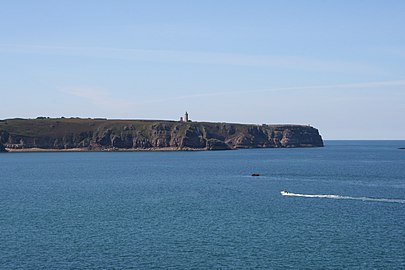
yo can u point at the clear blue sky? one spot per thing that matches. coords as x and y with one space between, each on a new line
337 65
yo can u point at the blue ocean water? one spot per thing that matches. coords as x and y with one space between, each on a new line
203 210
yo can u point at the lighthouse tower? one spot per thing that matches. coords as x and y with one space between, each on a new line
186 117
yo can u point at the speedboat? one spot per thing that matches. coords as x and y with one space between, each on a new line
284 192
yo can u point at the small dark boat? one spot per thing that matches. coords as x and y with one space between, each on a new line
255 174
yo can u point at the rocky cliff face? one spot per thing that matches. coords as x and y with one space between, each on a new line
96 135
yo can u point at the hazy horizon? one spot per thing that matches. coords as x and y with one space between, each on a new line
337 66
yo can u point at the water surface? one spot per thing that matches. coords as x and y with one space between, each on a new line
203 210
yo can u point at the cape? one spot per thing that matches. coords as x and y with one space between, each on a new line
78 134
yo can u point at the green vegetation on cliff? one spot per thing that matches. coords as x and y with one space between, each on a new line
103 134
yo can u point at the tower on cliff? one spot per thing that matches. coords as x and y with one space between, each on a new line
186 117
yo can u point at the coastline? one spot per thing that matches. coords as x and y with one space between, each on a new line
151 149
85 135
157 149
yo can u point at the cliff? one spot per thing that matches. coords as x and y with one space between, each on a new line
102 134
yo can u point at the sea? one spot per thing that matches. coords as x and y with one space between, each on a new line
345 208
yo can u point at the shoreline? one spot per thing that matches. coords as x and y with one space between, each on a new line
152 149
158 149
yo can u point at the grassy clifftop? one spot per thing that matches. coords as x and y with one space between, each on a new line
103 134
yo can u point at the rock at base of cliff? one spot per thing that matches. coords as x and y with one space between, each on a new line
2 148
214 144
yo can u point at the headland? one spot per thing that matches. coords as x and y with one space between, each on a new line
97 134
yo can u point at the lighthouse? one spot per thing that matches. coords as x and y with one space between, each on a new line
185 118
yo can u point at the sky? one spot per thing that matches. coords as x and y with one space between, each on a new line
336 65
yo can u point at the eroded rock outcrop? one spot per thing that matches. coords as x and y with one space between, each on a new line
97 135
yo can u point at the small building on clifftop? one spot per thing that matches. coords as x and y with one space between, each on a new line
185 118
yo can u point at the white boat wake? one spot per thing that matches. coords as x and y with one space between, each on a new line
339 197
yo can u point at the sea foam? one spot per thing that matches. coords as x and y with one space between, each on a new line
340 197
